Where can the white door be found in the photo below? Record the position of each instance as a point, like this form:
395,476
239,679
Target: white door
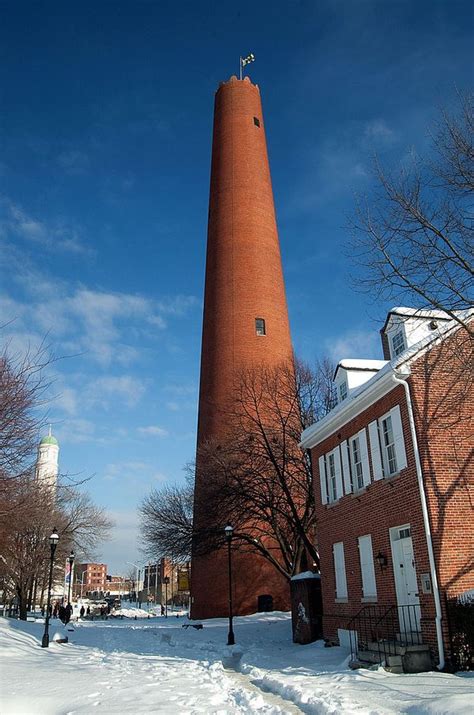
406,582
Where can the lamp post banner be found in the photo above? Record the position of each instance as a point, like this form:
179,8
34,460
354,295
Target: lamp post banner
68,574
183,580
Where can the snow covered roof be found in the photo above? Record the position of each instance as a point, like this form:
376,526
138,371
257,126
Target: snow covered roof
356,364
370,391
416,313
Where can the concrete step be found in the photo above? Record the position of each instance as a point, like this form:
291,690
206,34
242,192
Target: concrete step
395,647
372,656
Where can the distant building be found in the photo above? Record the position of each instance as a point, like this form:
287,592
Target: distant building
47,462
154,587
394,486
90,579
117,586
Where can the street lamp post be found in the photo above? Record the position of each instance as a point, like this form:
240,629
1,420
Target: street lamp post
137,580
53,542
166,580
71,564
228,535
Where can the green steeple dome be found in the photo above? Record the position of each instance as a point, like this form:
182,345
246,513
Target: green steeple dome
49,439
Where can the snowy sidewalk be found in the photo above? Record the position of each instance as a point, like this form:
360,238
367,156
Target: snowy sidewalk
155,666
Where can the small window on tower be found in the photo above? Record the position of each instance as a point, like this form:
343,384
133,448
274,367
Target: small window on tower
260,326
256,121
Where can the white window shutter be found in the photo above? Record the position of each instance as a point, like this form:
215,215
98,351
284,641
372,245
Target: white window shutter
366,556
340,570
322,479
364,455
337,466
346,472
398,437
375,450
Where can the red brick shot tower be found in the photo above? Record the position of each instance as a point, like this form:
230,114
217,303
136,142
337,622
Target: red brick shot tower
245,318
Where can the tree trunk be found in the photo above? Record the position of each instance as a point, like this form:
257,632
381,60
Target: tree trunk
22,603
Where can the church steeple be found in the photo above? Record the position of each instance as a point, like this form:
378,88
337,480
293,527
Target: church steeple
47,462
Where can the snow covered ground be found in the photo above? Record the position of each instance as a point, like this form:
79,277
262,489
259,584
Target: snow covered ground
156,666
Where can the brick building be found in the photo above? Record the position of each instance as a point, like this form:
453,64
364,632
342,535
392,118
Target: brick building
90,578
394,486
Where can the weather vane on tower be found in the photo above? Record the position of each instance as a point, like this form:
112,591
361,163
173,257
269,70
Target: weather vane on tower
246,61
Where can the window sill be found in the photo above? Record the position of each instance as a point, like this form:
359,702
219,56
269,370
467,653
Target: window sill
369,599
358,493
341,600
389,477
333,503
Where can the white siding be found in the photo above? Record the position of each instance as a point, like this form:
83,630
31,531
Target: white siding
375,450
345,468
322,479
398,438
340,570
364,456
369,587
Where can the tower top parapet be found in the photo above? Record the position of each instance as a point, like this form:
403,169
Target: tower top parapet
235,80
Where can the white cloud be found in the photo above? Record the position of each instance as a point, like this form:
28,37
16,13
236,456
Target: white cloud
105,389
58,235
354,344
76,431
378,130
66,401
154,431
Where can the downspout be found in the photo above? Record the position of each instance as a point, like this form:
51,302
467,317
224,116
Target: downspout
426,521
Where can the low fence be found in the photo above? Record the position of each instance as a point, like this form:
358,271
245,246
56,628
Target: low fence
461,632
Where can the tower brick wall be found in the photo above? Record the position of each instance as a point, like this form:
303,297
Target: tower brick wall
244,282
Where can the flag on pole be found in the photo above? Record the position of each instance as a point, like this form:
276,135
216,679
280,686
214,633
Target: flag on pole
246,61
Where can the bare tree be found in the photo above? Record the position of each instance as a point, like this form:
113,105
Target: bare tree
34,511
23,385
167,522
414,238
257,477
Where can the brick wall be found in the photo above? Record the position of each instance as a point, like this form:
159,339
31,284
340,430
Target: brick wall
441,388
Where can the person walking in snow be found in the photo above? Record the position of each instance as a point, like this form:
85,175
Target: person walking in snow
82,611
62,613
68,610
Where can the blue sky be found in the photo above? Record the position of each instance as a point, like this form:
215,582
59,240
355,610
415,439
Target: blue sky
105,139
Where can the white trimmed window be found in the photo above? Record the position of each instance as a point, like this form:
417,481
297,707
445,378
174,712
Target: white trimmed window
359,461
387,444
331,474
356,459
366,557
342,391
340,569
398,343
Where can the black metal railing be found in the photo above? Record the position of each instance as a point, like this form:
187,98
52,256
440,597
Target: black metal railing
461,632
383,629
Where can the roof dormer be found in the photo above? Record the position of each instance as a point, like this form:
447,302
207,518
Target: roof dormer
350,374
405,327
